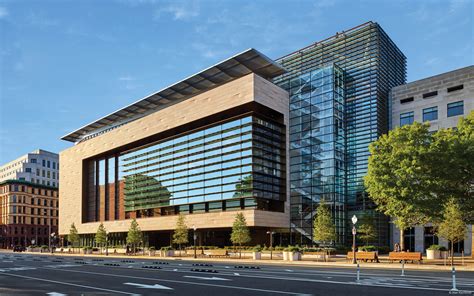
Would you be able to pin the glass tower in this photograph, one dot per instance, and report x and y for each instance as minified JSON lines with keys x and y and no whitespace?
{"x":338,"y":105}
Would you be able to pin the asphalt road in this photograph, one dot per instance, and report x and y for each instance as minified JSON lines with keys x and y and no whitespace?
{"x":25,"y":274}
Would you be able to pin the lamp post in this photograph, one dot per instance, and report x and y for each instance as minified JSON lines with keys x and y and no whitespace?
{"x":106,"y":243}
{"x":51,"y":238}
{"x":194,"y":238}
{"x":271,"y":243}
{"x":354,"y":231}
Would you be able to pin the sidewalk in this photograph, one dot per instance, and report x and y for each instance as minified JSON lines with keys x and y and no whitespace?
{"x":335,"y":262}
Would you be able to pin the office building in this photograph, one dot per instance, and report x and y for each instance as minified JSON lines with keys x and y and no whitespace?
{"x":209,"y":146}
{"x":338,"y":90}
{"x":39,"y":167}
{"x":440,"y":100}
{"x":28,"y":214}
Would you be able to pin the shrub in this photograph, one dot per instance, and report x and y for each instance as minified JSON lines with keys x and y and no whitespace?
{"x":279,"y":248}
{"x":384,"y":249}
{"x":437,"y":248}
{"x":151,"y":248}
{"x":44,"y":247}
{"x":368,"y":248}
{"x":167,"y":248}
{"x":293,"y":248}
{"x":257,"y":248}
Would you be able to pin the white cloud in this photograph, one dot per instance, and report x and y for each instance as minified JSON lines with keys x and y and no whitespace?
{"x":3,"y":12}
{"x":179,"y":10}
{"x":126,"y":78}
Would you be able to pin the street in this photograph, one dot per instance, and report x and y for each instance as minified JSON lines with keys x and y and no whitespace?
{"x":26,"y":274}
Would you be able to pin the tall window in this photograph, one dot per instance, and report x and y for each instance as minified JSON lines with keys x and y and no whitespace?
{"x":409,"y":237}
{"x":456,"y":108}
{"x":430,"y":237}
{"x":406,"y":118}
{"x":430,"y":114}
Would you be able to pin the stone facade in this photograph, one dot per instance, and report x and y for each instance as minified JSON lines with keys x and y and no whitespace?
{"x":436,"y":91}
{"x":244,"y":90}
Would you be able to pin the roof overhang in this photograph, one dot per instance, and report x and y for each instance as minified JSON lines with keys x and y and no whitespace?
{"x":246,"y":62}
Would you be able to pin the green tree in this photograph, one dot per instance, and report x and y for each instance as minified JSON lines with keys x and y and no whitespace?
{"x":101,"y":236}
{"x":452,"y":159}
{"x":180,"y":235}
{"x":452,"y":227}
{"x":399,"y":177}
{"x":134,"y":236}
{"x":366,"y":230}
{"x":240,"y":232}
{"x":73,"y":236}
{"x":324,"y":229}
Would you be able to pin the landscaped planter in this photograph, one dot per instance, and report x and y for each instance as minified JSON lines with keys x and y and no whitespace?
{"x":294,"y":256}
{"x":168,"y":253}
{"x":87,"y":251}
{"x":33,"y":249}
{"x":152,"y":253}
{"x":433,"y":254}
{"x":286,"y":256}
{"x":257,"y":255}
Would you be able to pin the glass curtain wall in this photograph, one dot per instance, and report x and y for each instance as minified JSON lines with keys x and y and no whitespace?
{"x":233,"y":165}
{"x":317,"y":148}
{"x":372,"y":65}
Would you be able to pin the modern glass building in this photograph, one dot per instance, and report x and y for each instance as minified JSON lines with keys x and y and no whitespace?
{"x":339,"y":91}
{"x":208,"y":147}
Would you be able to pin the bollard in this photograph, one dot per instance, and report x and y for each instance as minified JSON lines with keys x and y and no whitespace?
{"x":403,"y":268}
{"x":358,"y":273}
{"x":462,"y":254}
{"x":454,"y":289}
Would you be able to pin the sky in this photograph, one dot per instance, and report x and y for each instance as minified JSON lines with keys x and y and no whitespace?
{"x":64,"y":64}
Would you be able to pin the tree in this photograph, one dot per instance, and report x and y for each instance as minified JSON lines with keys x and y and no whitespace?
{"x":452,"y":159}
{"x":324,"y":229}
{"x":453,"y":227}
{"x":399,"y":178}
{"x":73,"y":236}
{"x":134,"y":236}
{"x":240,"y":232}
{"x":180,"y":235}
{"x":101,"y":236}
{"x":367,"y":231}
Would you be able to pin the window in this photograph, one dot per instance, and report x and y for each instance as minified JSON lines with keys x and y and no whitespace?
{"x":455,"y":88}
{"x":28,"y":170}
{"x":43,"y":173}
{"x":33,"y":160}
{"x":430,"y":114}
{"x":456,"y":108}
{"x":430,"y":94}
{"x":406,"y":118}
{"x":44,"y":162}
{"x":37,"y":172}
{"x":54,"y":165}
{"x":407,"y":100}
{"x":54,"y":175}
{"x":409,"y":237}
{"x":430,"y":237}
{"x":49,"y":164}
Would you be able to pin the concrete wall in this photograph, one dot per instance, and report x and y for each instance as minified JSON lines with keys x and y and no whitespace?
{"x":235,"y":93}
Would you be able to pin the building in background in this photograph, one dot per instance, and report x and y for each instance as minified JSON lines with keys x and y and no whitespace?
{"x":209,"y":146}
{"x":39,"y":167}
{"x":440,"y":100}
{"x":28,"y":214}
{"x":339,"y":90}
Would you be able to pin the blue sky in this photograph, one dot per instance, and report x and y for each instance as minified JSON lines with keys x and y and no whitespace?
{"x":64,"y":64}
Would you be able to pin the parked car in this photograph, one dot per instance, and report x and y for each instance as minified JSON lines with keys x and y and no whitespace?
{"x":18,"y":249}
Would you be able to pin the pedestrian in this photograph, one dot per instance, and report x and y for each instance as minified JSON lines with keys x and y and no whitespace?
{"x":397,"y":247}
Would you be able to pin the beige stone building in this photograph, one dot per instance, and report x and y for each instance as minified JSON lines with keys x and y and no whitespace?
{"x":209,"y":147}
{"x":440,"y":100}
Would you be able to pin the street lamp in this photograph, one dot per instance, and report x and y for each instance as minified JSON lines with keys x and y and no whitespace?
{"x":51,"y":239}
{"x":271,"y":243}
{"x":106,"y":243}
{"x":194,"y":237}
{"x":354,"y":231}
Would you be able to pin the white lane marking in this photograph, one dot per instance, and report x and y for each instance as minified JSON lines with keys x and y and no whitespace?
{"x":236,"y":273}
{"x":145,"y":286}
{"x":16,"y":269}
{"x":180,"y":264}
{"x":175,"y":269}
{"x":9,"y":261}
{"x":190,"y":283}
{"x":56,"y":294}
{"x":69,"y":284}
{"x":62,"y":265}
{"x":289,"y":270}
{"x":226,"y":266}
{"x":206,"y":278}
